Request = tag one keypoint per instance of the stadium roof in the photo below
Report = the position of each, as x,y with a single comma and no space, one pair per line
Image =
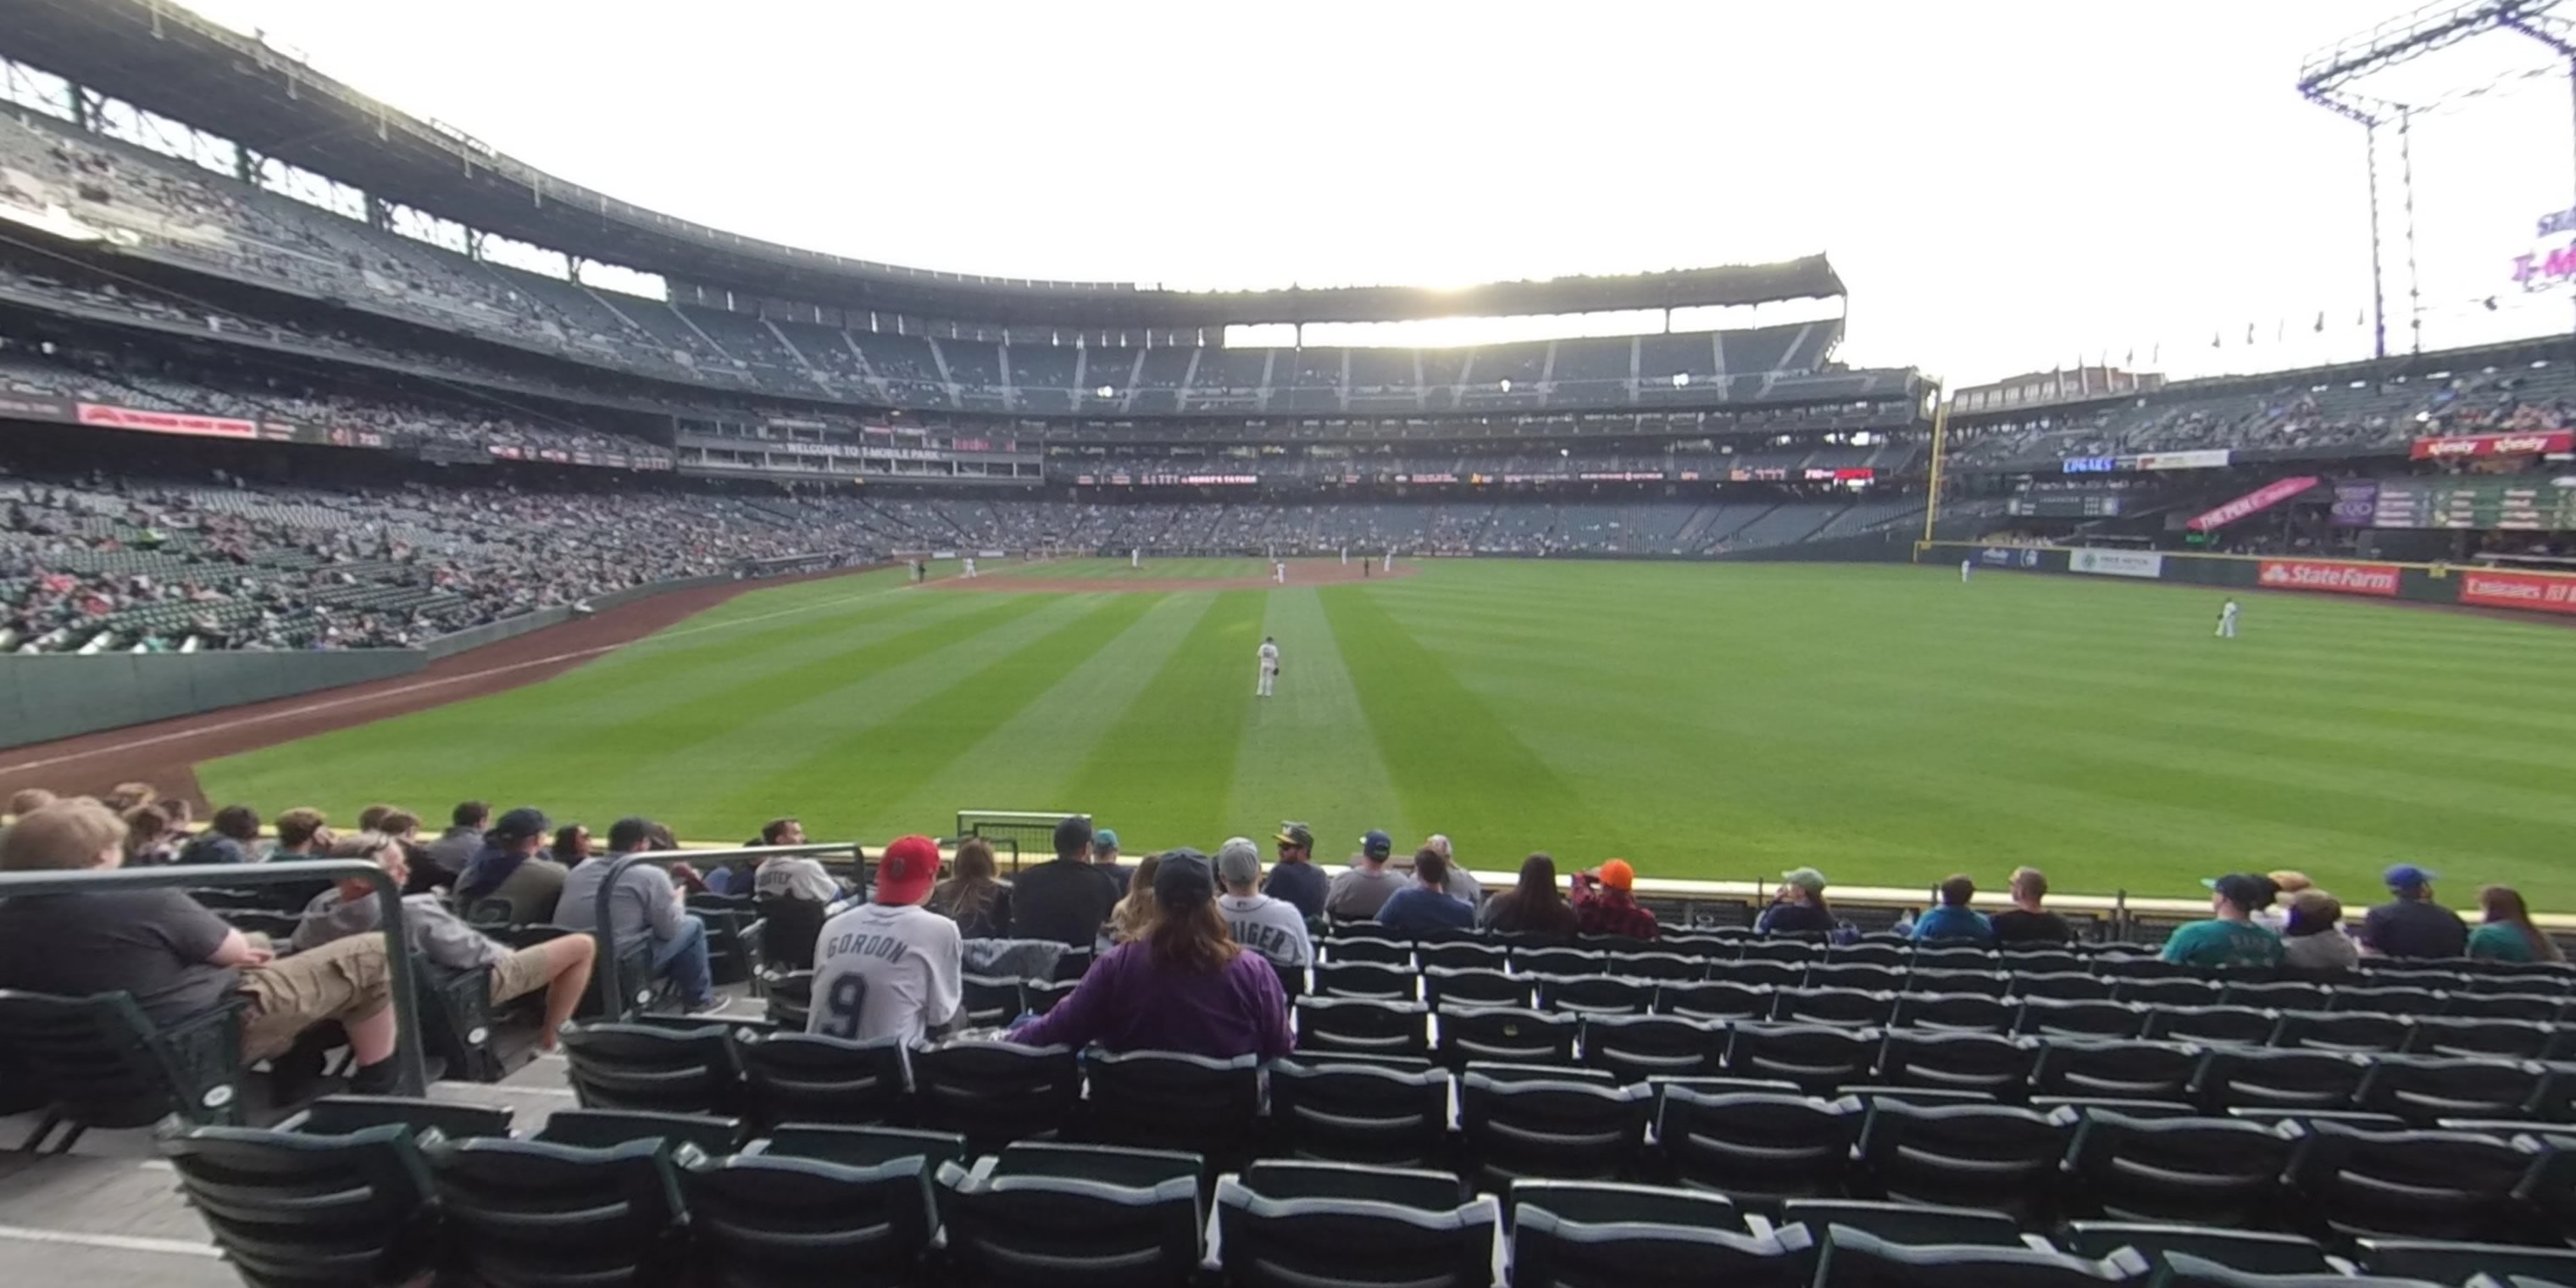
182,66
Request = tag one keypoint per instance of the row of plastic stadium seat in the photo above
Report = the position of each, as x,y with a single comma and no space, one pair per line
382,1190
1629,984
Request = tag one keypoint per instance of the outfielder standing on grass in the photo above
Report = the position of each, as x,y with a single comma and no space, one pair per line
2227,620
1269,666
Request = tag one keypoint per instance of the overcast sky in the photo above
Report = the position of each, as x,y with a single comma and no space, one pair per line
2003,185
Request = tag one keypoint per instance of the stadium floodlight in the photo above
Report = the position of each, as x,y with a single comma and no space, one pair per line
1505,385
2332,78
1105,392
1681,379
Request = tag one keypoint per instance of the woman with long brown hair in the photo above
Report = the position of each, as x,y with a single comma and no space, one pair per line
1184,985
2508,935
976,898
1535,905
1128,920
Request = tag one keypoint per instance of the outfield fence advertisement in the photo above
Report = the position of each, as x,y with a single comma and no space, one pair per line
2333,576
2534,591
2116,563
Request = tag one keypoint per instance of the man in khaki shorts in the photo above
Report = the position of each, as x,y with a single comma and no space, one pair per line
351,909
174,958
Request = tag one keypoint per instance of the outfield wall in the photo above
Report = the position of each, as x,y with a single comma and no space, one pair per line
2454,585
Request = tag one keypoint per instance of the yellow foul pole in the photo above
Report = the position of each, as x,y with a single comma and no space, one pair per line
1940,431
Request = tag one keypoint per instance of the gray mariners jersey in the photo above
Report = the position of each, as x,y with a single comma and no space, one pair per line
885,972
1271,927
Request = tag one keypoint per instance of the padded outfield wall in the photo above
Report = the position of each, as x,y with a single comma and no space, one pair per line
2453,585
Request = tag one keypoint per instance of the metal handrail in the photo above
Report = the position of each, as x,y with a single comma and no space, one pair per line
605,928
410,1071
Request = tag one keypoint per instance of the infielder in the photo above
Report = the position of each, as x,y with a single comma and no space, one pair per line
2227,620
1269,666
970,566
1279,572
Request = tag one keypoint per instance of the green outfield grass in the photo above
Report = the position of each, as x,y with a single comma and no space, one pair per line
1884,723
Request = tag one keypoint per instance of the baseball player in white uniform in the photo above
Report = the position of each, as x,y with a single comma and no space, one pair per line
891,968
1966,566
1269,666
2227,620
1278,572
970,566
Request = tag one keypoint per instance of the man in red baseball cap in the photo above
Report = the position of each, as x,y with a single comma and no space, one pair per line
891,968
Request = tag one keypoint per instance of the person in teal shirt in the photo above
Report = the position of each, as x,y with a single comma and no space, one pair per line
2229,938
2508,935
1953,919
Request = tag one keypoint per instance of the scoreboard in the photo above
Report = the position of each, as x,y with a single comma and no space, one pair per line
2064,505
2527,503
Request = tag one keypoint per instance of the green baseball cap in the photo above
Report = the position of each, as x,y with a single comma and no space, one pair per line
1297,834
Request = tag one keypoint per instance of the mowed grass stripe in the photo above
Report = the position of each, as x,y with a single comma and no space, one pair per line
546,720
1310,745
533,739
1027,759
758,731
888,754
1167,763
1458,767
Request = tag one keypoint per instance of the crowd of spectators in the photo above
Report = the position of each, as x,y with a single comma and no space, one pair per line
98,561
1194,954
2238,416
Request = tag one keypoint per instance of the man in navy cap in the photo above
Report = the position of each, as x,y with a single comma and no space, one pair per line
2411,924
1365,887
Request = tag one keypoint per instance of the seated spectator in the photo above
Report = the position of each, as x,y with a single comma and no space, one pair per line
572,844
1463,885
646,904
508,871
126,796
2229,938
227,838
1425,905
977,899
1065,899
890,968
301,834
1604,904
2288,885
151,837
1104,856
1186,986
560,966
458,845
2410,924
1798,907
791,876
1953,918
2312,937
1534,906
28,800
2507,934
174,958
1128,919
2027,922
1295,879
372,818
1271,927
1364,887
404,827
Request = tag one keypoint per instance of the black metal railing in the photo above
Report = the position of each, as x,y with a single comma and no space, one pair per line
410,1072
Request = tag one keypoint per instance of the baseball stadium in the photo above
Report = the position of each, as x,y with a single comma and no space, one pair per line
544,742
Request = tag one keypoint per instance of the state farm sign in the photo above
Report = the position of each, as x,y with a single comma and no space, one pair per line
2335,577
2494,445
2519,590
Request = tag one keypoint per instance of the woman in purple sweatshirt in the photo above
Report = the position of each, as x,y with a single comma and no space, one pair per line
1183,985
